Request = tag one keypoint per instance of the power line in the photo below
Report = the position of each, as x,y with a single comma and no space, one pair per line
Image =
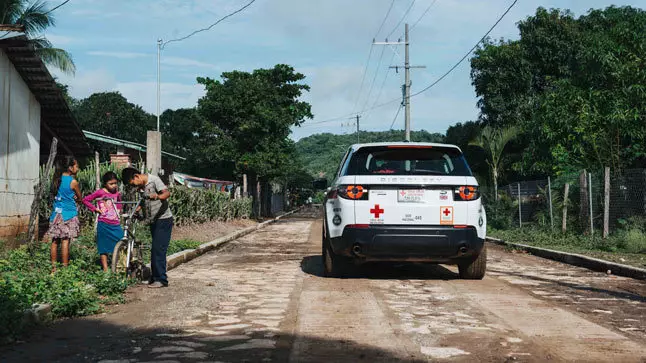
63,3
468,53
395,119
363,78
432,84
383,83
372,84
423,15
385,18
402,19
210,26
365,69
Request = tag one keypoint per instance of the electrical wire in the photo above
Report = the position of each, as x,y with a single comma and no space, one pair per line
468,53
402,19
439,79
61,4
395,119
210,26
372,84
385,18
363,78
423,15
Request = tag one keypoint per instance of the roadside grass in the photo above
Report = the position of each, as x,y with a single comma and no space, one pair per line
80,289
625,246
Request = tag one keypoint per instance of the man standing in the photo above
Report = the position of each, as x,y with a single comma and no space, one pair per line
160,218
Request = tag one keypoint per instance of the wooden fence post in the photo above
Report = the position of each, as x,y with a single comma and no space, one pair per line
35,204
549,196
584,202
606,203
565,203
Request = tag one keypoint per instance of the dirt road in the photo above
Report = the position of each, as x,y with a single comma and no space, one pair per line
262,299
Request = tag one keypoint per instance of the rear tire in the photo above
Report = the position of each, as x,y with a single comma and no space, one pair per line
333,265
475,269
119,255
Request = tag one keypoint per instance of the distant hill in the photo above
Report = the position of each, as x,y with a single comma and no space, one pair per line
323,152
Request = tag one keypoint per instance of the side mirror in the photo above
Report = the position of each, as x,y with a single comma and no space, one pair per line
319,184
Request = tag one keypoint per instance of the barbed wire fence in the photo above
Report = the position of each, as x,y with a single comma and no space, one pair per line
596,202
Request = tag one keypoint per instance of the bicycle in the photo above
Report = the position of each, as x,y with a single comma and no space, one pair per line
127,256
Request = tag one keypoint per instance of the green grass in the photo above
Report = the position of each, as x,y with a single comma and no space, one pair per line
625,246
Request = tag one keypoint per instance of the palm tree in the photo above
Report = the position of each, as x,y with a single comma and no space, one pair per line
494,141
35,18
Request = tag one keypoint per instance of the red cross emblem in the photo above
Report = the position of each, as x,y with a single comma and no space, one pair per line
377,211
446,212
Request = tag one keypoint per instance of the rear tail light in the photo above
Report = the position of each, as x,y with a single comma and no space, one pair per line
466,193
353,192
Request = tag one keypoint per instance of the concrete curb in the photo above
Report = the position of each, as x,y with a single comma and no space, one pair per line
590,263
179,258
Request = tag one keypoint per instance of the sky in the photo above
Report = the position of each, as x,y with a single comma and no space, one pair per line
114,46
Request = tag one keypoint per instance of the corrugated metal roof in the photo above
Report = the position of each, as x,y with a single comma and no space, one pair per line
56,116
124,143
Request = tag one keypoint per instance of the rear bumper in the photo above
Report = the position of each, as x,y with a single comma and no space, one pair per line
439,244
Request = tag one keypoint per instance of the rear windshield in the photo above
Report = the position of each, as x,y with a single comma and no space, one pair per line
395,160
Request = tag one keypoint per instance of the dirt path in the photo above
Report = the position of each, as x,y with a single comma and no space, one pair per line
262,298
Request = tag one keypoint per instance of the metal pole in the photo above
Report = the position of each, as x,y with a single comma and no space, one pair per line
358,117
549,195
159,45
407,72
606,202
590,199
520,214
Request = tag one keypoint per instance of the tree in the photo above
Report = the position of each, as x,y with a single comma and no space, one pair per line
322,153
250,116
574,87
494,141
110,114
36,18
254,113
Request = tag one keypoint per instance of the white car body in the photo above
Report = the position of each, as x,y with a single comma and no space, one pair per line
405,213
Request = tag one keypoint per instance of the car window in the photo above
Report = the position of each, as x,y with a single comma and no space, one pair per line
414,160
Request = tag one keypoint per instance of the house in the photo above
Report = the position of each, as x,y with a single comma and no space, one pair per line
129,153
33,111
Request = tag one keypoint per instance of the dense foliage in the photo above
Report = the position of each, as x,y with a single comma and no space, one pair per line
322,153
576,88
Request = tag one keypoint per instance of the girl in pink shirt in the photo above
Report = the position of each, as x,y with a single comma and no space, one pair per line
108,230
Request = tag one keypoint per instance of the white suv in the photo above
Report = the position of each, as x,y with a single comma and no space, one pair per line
404,202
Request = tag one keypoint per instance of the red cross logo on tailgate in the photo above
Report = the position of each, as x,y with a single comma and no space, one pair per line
446,212
377,211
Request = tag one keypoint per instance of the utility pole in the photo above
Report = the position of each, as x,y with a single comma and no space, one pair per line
159,46
407,68
357,117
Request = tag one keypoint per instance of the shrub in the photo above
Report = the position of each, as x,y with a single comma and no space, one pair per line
199,206
181,245
500,213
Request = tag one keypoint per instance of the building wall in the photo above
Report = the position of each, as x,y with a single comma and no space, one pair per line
19,149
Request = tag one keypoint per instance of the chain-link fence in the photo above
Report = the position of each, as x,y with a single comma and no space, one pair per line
591,202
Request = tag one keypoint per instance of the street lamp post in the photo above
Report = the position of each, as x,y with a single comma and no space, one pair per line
159,46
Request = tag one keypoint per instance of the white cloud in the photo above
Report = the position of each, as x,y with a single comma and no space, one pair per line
173,95
120,55
185,62
85,83
59,40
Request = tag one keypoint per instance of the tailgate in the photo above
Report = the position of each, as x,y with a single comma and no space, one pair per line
411,200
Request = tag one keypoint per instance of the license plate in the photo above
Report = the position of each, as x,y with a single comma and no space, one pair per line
411,196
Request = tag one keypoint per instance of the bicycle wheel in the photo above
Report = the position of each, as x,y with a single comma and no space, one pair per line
119,258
